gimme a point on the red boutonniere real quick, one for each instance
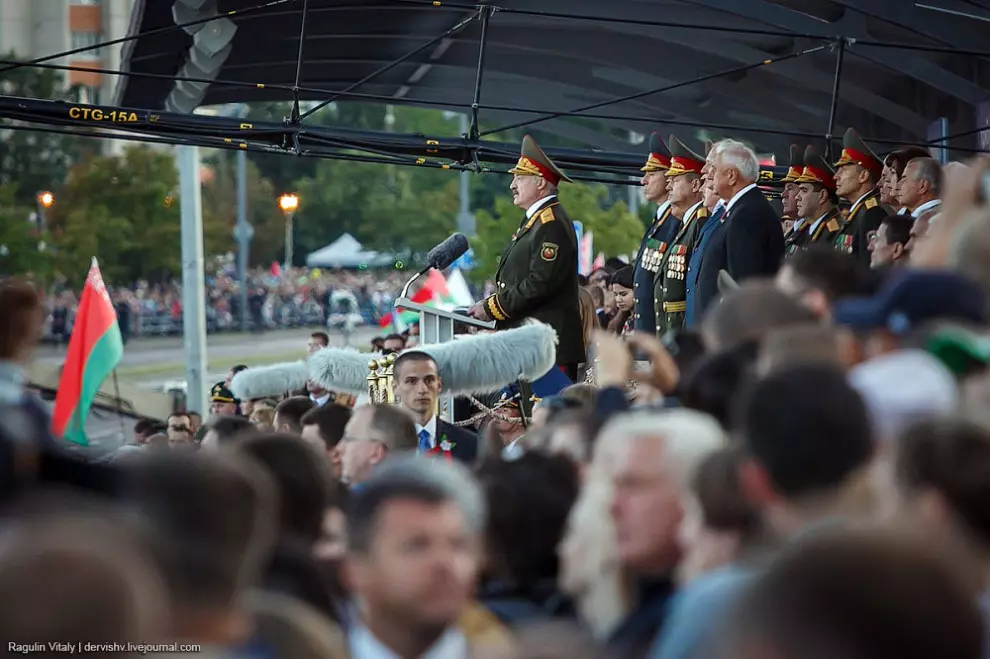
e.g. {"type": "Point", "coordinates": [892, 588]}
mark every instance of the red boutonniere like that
{"type": "Point", "coordinates": [444, 447]}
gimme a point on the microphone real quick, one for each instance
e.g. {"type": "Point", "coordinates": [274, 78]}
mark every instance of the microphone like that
{"type": "Point", "coordinates": [441, 256]}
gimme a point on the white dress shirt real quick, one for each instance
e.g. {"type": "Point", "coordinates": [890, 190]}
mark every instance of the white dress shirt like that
{"type": "Point", "coordinates": [535, 207]}
{"type": "Point", "coordinates": [661, 209]}
{"type": "Point", "coordinates": [430, 427]}
{"type": "Point", "coordinates": [925, 207]}
{"type": "Point", "coordinates": [320, 400]}
{"type": "Point", "coordinates": [363, 645]}
{"type": "Point", "coordinates": [735, 197]}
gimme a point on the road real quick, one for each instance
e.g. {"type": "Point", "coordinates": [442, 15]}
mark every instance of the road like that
{"type": "Point", "coordinates": [150, 362]}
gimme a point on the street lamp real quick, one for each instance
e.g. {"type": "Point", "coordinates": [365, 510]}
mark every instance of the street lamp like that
{"type": "Point", "coordinates": [289, 203]}
{"type": "Point", "coordinates": [45, 200]}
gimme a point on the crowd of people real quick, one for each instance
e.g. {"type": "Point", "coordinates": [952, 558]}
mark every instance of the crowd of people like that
{"type": "Point", "coordinates": [791, 460]}
{"type": "Point", "coordinates": [276, 298]}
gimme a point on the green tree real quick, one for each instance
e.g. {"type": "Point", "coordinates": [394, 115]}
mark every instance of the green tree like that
{"type": "Point", "coordinates": [21, 241]}
{"type": "Point", "coordinates": [36, 161]}
{"type": "Point", "coordinates": [220, 210]}
{"type": "Point", "coordinates": [123, 210]}
{"type": "Point", "coordinates": [616, 230]}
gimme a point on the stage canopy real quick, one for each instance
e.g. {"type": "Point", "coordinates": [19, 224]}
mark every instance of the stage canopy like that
{"type": "Point", "coordinates": [761, 70]}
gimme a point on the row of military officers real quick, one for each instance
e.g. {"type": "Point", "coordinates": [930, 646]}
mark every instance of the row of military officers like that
{"type": "Point", "coordinates": [711, 219]}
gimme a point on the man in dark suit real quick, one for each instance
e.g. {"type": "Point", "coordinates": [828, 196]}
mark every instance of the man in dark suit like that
{"type": "Point", "coordinates": [749, 241]}
{"type": "Point", "coordinates": [417, 388]}
{"type": "Point", "coordinates": [537, 274]}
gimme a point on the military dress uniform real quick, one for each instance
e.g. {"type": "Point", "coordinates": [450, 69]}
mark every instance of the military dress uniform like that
{"type": "Point", "coordinates": [670, 286]}
{"type": "Point", "coordinates": [798, 234]}
{"type": "Point", "coordinates": [794, 169]}
{"type": "Point", "coordinates": [829, 223]}
{"type": "Point", "coordinates": [537, 275]}
{"type": "Point", "coordinates": [653, 247]}
{"type": "Point", "coordinates": [866, 213]}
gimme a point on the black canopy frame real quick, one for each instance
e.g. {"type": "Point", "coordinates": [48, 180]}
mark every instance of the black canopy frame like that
{"type": "Point", "coordinates": [295, 136]}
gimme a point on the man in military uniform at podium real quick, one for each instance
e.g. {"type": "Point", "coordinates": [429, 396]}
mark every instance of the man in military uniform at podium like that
{"type": "Point", "coordinates": [653, 247]}
{"type": "Point", "coordinates": [857, 175]}
{"type": "Point", "coordinates": [816, 200]}
{"type": "Point", "coordinates": [537, 274]}
{"type": "Point", "coordinates": [685, 188]}
{"type": "Point", "coordinates": [788, 198]}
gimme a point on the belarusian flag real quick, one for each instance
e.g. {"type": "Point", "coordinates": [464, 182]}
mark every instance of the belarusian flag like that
{"type": "Point", "coordinates": [433, 293]}
{"type": "Point", "coordinates": [94, 351]}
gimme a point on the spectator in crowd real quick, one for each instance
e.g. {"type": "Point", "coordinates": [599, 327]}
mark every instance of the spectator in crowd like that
{"type": "Point", "coordinates": [856, 593]}
{"type": "Point", "coordinates": [323, 427]}
{"type": "Point", "coordinates": [372, 433]}
{"type": "Point", "coordinates": [920, 193]}
{"type": "Point", "coordinates": [263, 418]}
{"type": "Point", "coordinates": [317, 341]}
{"type": "Point", "coordinates": [393, 343]}
{"type": "Point", "coordinates": [302, 482]}
{"type": "Point", "coordinates": [223, 430]}
{"type": "Point", "coordinates": [414, 531]}
{"type": "Point", "coordinates": [289, 414]}
{"type": "Point", "coordinates": [804, 344]}
{"type": "Point", "coordinates": [791, 484]}
{"type": "Point", "coordinates": [196, 419]}
{"type": "Point", "coordinates": [528, 502]}
{"type": "Point", "coordinates": [890, 245]}
{"type": "Point", "coordinates": [20, 331]}
{"type": "Point", "coordinates": [819, 275]}
{"type": "Point", "coordinates": [651, 459]}
{"type": "Point", "coordinates": [234, 370]}
{"type": "Point", "coordinates": [748, 313]}
{"type": "Point", "coordinates": [621, 286]}
{"type": "Point", "coordinates": [142, 430]}
{"type": "Point", "coordinates": [893, 169]}
{"type": "Point", "coordinates": [179, 429]}
{"type": "Point", "coordinates": [317, 393]}
{"type": "Point", "coordinates": [211, 524]}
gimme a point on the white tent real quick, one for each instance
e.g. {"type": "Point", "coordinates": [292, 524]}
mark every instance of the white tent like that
{"type": "Point", "coordinates": [347, 252]}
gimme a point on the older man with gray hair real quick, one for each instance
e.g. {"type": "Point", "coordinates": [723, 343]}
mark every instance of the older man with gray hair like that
{"type": "Point", "coordinates": [749, 241]}
{"type": "Point", "coordinates": [649, 460]}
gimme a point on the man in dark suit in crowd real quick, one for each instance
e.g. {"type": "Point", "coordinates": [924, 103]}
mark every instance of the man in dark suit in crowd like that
{"type": "Point", "coordinates": [749, 241]}
{"type": "Point", "coordinates": [417, 388]}
{"type": "Point", "coordinates": [537, 275]}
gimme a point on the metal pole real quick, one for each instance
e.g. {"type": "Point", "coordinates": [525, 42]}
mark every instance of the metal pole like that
{"type": "Point", "coordinates": [193, 282]}
{"type": "Point", "coordinates": [465, 220]}
{"type": "Point", "coordinates": [243, 233]}
{"type": "Point", "coordinates": [485, 16]}
{"type": "Point", "coordinates": [839, 57]}
{"type": "Point", "coordinates": [634, 192]}
{"type": "Point", "coordinates": [288, 240]}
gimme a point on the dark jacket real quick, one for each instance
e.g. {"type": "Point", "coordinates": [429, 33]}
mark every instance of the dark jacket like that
{"type": "Point", "coordinates": [513, 606]}
{"type": "Point", "coordinates": [635, 635]}
{"type": "Point", "coordinates": [749, 243]}
{"type": "Point", "coordinates": [537, 277]}
{"type": "Point", "coordinates": [465, 442]}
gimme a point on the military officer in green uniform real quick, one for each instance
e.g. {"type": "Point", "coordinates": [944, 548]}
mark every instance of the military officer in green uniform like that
{"type": "Point", "coordinates": [788, 198]}
{"type": "Point", "coordinates": [684, 187]}
{"type": "Point", "coordinates": [537, 274]}
{"type": "Point", "coordinates": [816, 200]}
{"type": "Point", "coordinates": [857, 176]}
{"type": "Point", "coordinates": [653, 246]}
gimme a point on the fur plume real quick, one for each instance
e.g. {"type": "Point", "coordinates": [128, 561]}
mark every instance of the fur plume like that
{"type": "Point", "coordinates": [274, 380]}
{"type": "Point", "coordinates": [470, 364]}
{"type": "Point", "coordinates": [487, 362]}
{"type": "Point", "coordinates": [341, 370]}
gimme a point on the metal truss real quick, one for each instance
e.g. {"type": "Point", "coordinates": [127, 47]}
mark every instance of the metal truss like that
{"type": "Point", "coordinates": [295, 137]}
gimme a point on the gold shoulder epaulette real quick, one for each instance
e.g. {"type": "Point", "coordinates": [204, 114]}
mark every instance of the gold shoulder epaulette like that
{"type": "Point", "coordinates": [833, 225]}
{"type": "Point", "coordinates": [871, 203]}
{"type": "Point", "coordinates": [546, 215]}
{"type": "Point", "coordinates": [702, 212]}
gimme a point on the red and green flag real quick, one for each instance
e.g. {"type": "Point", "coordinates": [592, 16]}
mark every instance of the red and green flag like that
{"type": "Point", "coordinates": [433, 293]}
{"type": "Point", "coordinates": [94, 351]}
